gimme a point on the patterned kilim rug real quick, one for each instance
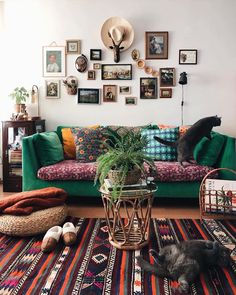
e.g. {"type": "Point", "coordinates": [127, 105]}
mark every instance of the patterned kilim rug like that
{"type": "Point", "coordinates": [93, 266]}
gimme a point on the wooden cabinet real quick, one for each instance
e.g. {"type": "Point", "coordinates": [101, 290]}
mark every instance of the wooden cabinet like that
{"type": "Point", "coordinates": [12, 134]}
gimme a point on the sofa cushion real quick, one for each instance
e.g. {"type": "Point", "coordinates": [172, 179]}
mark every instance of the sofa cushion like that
{"type": "Point", "coordinates": [158, 151]}
{"type": "Point", "coordinates": [49, 148]}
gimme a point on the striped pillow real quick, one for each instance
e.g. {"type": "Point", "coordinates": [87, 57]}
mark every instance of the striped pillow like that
{"type": "Point", "coordinates": [158, 151]}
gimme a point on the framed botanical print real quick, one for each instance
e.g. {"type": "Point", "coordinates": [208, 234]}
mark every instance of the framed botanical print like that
{"type": "Point", "coordinates": [148, 88]}
{"type": "Point", "coordinates": [73, 46]}
{"type": "Point", "coordinates": [52, 88]}
{"type": "Point", "coordinates": [156, 45]}
{"type": "Point", "coordinates": [188, 56]}
{"type": "Point", "coordinates": [167, 77]}
{"type": "Point", "coordinates": [54, 61]}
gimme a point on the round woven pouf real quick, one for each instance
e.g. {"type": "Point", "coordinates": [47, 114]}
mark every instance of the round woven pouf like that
{"type": "Point", "coordinates": [37, 222]}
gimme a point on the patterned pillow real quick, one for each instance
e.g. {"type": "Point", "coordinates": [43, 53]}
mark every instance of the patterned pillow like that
{"type": "Point", "coordinates": [88, 143]}
{"type": "Point", "coordinates": [158, 151]}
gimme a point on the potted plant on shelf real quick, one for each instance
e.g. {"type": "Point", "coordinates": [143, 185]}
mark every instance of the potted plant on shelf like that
{"type": "Point", "coordinates": [20, 94]}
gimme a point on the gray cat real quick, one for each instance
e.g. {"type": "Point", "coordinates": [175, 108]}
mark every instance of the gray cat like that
{"type": "Point", "coordinates": [186, 144]}
{"type": "Point", "coordinates": [184, 261]}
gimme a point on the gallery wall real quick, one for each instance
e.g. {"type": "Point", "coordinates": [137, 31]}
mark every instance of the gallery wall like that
{"type": "Point", "coordinates": [204, 24]}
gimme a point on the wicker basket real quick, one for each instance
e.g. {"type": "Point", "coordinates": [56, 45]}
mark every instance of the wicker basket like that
{"type": "Point", "coordinates": [217, 203]}
{"type": "Point", "coordinates": [132, 176]}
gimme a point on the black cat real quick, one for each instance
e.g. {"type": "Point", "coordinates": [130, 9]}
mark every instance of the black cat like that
{"type": "Point", "coordinates": [184, 261]}
{"type": "Point", "coordinates": [186, 144]}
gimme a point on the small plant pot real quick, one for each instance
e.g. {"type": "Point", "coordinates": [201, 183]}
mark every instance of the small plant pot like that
{"type": "Point", "coordinates": [132, 177]}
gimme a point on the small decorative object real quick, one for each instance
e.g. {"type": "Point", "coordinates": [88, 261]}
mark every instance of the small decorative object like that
{"type": "Point", "coordinates": [155, 73]}
{"type": "Point", "coordinates": [167, 77]}
{"type": "Point", "coordinates": [81, 63]}
{"type": "Point", "coordinates": [116, 72]}
{"type": "Point", "coordinates": [71, 84]}
{"type": "Point", "coordinates": [88, 95]}
{"type": "Point", "coordinates": [140, 63]}
{"type": "Point", "coordinates": [148, 88]}
{"type": "Point", "coordinates": [124, 89]}
{"type": "Point", "coordinates": [183, 80]}
{"type": "Point", "coordinates": [95, 54]}
{"type": "Point", "coordinates": [148, 70]}
{"type": "Point", "coordinates": [91, 75]}
{"type": "Point", "coordinates": [54, 61]}
{"type": "Point", "coordinates": [96, 66]}
{"type": "Point", "coordinates": [109, 93]}
{"type": "Point", "coordinates": [20, 95]}
{"type": "Point", "coordinates": [135, 54]}
{"type": "Point", "coordinates": [35, 100]}
{"type": "Point", "coordinates": [188, 56]}
{"type": "Point", "coordinates": [165, 92]}
{"type": "Point", "coordinates": [52, 88]}
{"type": "Point", "coordinates": [73, 46]}
{"type": "Point", "coordinates": [130, 100]}
{"type": "Point", "coordinates": [117, 34]}
{"type": "Point", "coordinates": [156, 45]}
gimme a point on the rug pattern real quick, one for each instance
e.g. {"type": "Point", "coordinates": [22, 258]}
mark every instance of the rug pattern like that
{"type": "Point", "coordinates": [93, 266]}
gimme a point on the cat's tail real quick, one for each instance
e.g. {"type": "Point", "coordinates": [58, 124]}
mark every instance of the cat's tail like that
{"type": "Point", "coordinates": [147, 266]}
{"type": "Point", "coordinates": [165, 142]}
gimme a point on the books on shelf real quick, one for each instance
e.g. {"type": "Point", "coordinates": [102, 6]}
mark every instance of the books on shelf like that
{"type": "Point", "coordinates": [15, 156]}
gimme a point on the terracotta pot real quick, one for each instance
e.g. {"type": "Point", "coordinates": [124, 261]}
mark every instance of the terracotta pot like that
{"type": "Point", "coordinates": [132, 177]}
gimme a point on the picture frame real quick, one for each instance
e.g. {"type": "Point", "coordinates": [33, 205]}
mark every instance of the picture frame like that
{"type": "Point", "coordinates": [148, 88]}
{"type": "Point", "coordinates": [96, 66]}
{"type": "Point", "coordinates": [73, 46]}
{"type": "Point", "coordinates": [156, 45]}
{"type": "Point", "coordinates": [123, 90]}
{"type": "Point", "coordinates": [130, 100]}
{"type": "Point", "coordinates": [165, 92]}
{"type": "Point", "coordinates": [52, 88]}
{"type": "Point", "coordinates": [54, 61]}
{"type": "Point", "coordinates": [95, 54]}
{"type": "Point", "coordinates": [167, 77]}
{"type": "Point", "coordinates": [188, 56]}
{"type": "Point", "coordinates": [109, 93]}
{"type": "Point", "coordinates": [91, 75]}
{"type": "Point", "coordinates": [88, 96]}
{"type": "Point", "coordinates": [116, 71]}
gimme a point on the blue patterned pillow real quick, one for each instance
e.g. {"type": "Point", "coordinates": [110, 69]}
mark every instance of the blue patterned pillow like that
{"type": "Point", "coordinates": [158, 151]}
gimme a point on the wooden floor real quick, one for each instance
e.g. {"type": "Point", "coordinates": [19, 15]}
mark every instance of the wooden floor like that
{"type": "Point", "coordinates": [170, 208]}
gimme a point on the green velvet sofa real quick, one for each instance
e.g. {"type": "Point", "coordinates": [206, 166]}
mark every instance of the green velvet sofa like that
{"type": "Point", "coordinates": [226, 159]}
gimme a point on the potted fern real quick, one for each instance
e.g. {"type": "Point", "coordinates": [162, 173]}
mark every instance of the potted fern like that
{"type": "Point", "coordinates": [20, 94]}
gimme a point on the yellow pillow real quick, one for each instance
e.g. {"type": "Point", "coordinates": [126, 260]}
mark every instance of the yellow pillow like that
{"type": "Point", "coordinates": [68, 142]}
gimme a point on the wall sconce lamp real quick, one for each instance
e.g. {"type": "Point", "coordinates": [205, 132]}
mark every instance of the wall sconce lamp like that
{"type": "Point", "coordinates": [183, 80]}
{"type": "Point", "coordinates": [35, 98]}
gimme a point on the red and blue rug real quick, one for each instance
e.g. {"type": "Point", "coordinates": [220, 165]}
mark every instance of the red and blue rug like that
{"type": "Point", "coordinates": [94, 267]}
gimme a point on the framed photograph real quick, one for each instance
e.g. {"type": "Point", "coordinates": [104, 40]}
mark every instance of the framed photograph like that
{"type": "Point", "coordinates": [116, 72]}
{"type": "Point", "coordinates": [91, 75]}
{"type": "Point", "coordinates": [148, 88]}
{"type": "Point", "coordinates": [73, 46]}
{"type": "Point", "coordinates": [165, 92]}
{"type": "Point", "coordinates": [54, 61]}
{"type": "Point", "coordinates": [88, 95]}
{"type": "Point", "coordinates": [167, 77]}
{"type": "Point", "coordinates": [130, 100]}
{"type": "Point", "coordinates": [52, 88]}
{"type": "Point", "coordinates": [95, 54]}
{"type": "Point", "coordinates": [109, 93]}
{"type": "Point", "coordinates": [124, 90]}
{"type": "Point", "coordinates": [96, 66]}
{"type": "Point", "coordinates": [156, 45]}
{"type": "Point", "coordinates": [188, 56]}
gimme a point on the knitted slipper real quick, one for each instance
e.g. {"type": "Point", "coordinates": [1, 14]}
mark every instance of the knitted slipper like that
{"type": "Point", "coordinates": [51, 239]}
{"type": "Point", "coordinates": [69, 234]}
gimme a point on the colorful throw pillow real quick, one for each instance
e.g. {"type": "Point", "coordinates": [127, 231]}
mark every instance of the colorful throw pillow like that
{"type": "Point", "coordinates": [158, 151]}
{"type": "Point", "coordinates": [207, 151]}
{"type": "Point", "coordinates": [88, 143]}
{"type": "Point", "coordinates": [49, 148]}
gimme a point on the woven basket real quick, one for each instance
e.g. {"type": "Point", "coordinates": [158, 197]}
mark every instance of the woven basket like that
{"type": "Point", "coordinates": [36, 223]}
{"type": "Point", "coordinates": [132, 176]}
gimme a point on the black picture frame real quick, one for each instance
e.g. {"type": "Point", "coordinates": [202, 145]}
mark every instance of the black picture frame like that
{"type": "Point", "coordinates": [88, 96]}
{"type": "Point", "coordinates": [188, 56]}
{"type": "Point", "coordinates": [95, 54]}
{"type": "Point", "coordinates": [148, 88]}
{"type": "Point", "coordinates": [116, 72]}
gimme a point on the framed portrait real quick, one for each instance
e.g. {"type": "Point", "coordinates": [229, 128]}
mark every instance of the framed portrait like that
{"type": "Point", "coordinates": [123, 90]}
{"type": "Point", "coordinates": [165, 92]}
{"type": "Point", "coordinates": [167, 77]}
{"type": "Point", "coordinates": [109, 93]}
{"type": "Point", "coordinates": [148, 88]}
{"type": "Point", "coordinates": [73, 46]}
{"type": "Point", "coordinates": [188, 56]}
{"type": "Point", "coordinates": [156, 45]}
{"type": "Point", "coordinates": [96, 66]}
{"type": "Point", "coordinates": [95, 54]}
{"type": "Point", "coordinates": [89, 95]}
{"type": "Point", "coordinates": [130, 100]}
{"type": "Point", "coordinates": [116, 72]}
{"type": "Point", "coordinates": [52, 88]}
{"type": "Point", "coordinates": [91, 75]}
{"type": "Point", "coordinates": [54, 61]}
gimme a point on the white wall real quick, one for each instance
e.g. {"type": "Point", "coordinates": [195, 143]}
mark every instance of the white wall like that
{"type": "Point", "coordinates": [206, 25]}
